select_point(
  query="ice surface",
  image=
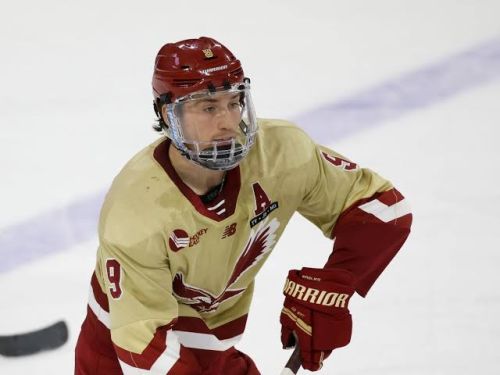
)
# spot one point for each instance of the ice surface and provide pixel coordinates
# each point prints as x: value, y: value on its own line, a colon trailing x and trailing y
x: 75, y: 104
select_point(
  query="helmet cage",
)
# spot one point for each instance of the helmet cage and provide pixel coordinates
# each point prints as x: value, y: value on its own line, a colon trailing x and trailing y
x: 218, y: 154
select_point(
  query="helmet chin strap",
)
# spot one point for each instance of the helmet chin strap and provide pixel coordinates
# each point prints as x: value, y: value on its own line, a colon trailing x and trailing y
x: 243, y: 127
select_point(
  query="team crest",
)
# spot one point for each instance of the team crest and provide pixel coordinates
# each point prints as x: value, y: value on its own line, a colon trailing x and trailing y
x: 208, y: 53
x: 260, y: 242
x: 180, y: 239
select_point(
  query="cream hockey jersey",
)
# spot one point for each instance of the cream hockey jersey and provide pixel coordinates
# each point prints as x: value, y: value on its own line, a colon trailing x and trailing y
x: 168, y: 262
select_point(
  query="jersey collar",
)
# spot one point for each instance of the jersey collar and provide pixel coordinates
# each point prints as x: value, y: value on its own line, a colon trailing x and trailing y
x: 229, y: 191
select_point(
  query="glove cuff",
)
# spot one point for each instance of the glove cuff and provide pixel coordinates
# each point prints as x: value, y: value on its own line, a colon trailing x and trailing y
x: 337, y: 275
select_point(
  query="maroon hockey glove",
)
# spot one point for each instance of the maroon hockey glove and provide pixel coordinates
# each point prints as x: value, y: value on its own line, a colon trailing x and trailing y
x: 316, y: 309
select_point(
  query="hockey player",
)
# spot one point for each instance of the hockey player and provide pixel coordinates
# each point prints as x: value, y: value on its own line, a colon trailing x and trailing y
x: 191, y: 219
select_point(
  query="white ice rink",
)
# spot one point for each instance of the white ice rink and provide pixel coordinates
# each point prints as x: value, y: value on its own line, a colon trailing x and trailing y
x: 414, y: 86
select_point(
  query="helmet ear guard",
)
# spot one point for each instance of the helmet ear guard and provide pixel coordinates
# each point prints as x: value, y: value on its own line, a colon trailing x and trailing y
x: 157, y: 107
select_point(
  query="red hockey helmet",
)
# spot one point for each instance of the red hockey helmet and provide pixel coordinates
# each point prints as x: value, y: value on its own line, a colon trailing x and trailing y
x: 192, y: 65
x: 193, y: 71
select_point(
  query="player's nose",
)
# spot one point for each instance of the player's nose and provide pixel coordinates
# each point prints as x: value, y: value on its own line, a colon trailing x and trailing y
x: 225, y: 121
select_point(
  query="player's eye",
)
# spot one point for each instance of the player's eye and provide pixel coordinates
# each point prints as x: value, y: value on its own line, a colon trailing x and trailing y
x: 209, y: 109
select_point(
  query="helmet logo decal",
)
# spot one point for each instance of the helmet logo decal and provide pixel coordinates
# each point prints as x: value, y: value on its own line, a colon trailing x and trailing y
x: 208, y: 53
x: 216, y: 69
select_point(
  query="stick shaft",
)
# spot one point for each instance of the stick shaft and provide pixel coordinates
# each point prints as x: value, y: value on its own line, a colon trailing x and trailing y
x: 292, y: 367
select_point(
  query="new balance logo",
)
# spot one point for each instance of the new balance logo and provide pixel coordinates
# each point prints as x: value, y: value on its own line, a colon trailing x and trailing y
x: 229, y: 231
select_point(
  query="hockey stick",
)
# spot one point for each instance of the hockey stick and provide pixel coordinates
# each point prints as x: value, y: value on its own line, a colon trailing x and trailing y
x: 47, y: 338
x: 293, y: 365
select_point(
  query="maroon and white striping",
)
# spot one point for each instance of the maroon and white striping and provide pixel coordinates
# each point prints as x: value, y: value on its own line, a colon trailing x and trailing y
x: 219, y: 206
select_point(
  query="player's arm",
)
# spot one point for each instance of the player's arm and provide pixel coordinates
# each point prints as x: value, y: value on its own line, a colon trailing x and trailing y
x: 369, y: 220
x: 365, y: 215
x: 142, y: 311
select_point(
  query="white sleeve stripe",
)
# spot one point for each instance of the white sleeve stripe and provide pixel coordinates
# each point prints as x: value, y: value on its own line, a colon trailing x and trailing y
x: 384, y: 212
x: 163, y: 364
x: 205, y: 341
x: 129, y: 370
x: 99, y: 312
x: 169, y: 357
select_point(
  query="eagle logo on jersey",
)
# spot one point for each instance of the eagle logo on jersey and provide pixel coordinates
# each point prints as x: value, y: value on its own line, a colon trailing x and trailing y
x: 260, y: 242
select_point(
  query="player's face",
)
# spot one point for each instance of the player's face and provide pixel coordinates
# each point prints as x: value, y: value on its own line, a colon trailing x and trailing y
x: 214, y: 130
x: 212, y: 118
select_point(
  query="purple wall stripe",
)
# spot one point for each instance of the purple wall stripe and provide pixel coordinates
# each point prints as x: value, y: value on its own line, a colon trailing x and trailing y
x: 412, y: 91
x: 50, y: 232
